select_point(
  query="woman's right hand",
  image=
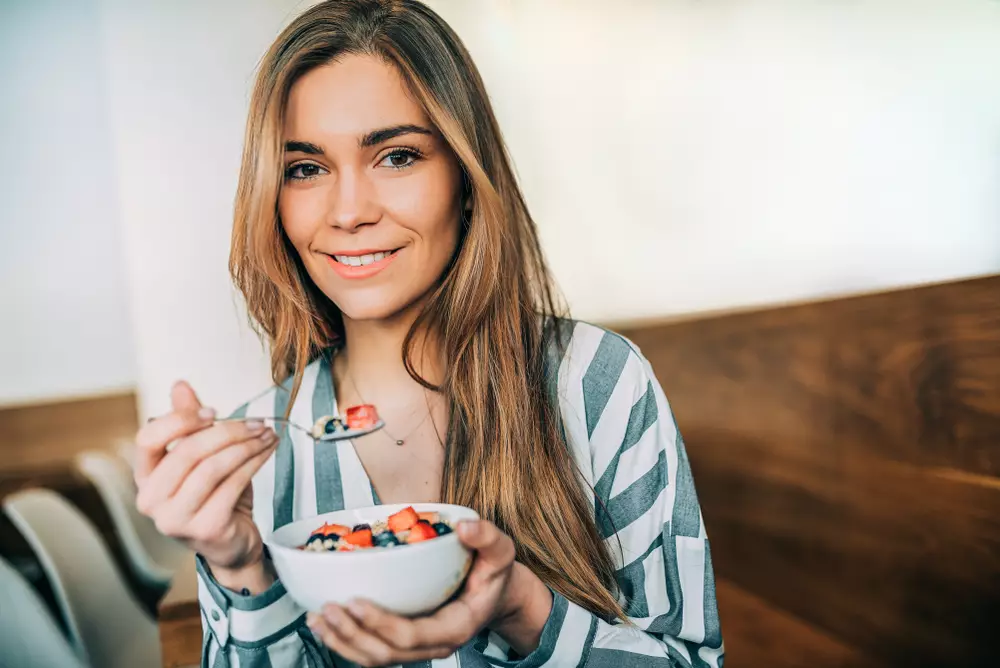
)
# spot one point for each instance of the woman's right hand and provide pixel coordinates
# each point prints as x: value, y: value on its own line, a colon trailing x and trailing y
x: 199, y: 491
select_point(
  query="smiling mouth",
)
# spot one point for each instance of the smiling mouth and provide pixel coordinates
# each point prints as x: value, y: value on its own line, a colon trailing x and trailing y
x: 363, y: 260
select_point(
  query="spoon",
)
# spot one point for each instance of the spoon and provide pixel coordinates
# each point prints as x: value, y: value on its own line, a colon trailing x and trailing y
x: 315, y: 433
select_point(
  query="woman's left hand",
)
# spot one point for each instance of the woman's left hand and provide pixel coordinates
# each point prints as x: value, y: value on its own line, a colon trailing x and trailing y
x: 499, y: 592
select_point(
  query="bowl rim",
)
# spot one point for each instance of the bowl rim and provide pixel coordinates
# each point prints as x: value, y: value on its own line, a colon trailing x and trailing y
x: 373, y: 552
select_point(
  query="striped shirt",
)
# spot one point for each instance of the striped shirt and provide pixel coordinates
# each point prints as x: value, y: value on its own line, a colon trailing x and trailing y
x: 620, y: 430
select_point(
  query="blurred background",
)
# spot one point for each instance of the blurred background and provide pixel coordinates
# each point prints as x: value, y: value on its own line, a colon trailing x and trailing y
x: 791, y: 205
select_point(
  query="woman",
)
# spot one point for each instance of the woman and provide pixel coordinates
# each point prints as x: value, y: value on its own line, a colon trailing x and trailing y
x: 387, y: 256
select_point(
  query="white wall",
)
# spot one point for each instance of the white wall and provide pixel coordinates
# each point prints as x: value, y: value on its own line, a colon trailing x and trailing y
x: 682, y: 156
x: 63, y: 310
x: 179, y: 80
x: 679, y: 156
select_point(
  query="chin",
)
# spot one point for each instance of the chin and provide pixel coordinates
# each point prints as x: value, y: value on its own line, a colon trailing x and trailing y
x: 372, y: 307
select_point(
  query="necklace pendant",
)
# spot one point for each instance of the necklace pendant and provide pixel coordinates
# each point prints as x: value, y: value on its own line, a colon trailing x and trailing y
x: 399, y: 441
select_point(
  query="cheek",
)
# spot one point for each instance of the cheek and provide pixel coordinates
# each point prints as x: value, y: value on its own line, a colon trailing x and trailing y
x: 299, y: 212
x: 428, y: 206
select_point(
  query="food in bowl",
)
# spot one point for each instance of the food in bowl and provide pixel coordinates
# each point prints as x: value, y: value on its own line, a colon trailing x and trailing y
x: 409, y: 579
x: 404, y: 527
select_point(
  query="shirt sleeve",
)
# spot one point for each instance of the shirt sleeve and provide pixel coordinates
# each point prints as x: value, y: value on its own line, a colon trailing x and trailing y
x: 648, y: 512
x: 261, y: 630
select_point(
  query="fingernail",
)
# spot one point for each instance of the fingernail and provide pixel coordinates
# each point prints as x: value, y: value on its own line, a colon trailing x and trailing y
x: 312, y: 621
x: 331, y: 617
x: 206, y: 413
x: 255, y: 425
x: 357, y: 609
x: 468, y: 528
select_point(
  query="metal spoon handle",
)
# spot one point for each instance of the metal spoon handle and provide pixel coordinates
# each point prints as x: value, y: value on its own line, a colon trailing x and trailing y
x: 325, y: 438
x: 248, y: 418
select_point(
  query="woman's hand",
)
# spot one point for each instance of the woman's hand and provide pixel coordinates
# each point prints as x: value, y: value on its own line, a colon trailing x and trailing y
x: 199, y: 491
x: 499, y: 593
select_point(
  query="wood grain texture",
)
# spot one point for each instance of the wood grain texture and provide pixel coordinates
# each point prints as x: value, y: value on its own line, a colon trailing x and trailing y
x: 846, y: 457
x: 180, y: 634
x: 48, y: 436
x: 759, y: 634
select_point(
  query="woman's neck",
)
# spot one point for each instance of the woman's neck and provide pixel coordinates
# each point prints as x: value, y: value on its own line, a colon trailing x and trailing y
x: 372, y: 362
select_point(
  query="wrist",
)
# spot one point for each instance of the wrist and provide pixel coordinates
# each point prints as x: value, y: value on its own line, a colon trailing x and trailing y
x: 525, y: 610
x: 255, y: 575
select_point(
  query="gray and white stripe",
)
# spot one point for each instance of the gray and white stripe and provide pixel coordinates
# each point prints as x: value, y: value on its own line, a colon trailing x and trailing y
x: 622, y: 435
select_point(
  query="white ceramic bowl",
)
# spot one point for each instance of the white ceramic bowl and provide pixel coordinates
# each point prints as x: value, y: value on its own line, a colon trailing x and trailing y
x: 406, y: 580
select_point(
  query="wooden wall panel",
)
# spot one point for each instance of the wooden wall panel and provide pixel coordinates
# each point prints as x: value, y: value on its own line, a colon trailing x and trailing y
x: 847, y: 456
x: 759, y: 634
x: 48, y: 436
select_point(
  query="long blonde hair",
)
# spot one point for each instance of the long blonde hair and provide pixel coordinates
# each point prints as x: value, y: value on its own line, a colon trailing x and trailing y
x: 505, y: 455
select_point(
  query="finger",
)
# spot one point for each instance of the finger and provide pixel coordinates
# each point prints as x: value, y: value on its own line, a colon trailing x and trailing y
x: 183, y: 398
x: 352, y: 642
x: 319, y: 626
x: 324, y: 630
x: 453, y: 624
x: 213, y: 470
x: 177, y: 465
x: 220, y: 505
x: 445, y: 631
x: 153, y: 438
x: 494, y: 549
x: 335, y: 641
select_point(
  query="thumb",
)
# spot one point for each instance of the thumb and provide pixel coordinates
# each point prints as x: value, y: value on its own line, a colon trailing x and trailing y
x: 183, y: 398
x: 491, y: 545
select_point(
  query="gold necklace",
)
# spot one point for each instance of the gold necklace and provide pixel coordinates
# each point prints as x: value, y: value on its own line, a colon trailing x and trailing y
x: 399, y: 441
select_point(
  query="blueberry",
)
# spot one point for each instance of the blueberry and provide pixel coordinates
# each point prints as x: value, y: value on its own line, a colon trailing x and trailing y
x: 441, y: 528
x: 315, y: 538
x: 386, y: 539
x: 361, y: 527
x: 330, y: 426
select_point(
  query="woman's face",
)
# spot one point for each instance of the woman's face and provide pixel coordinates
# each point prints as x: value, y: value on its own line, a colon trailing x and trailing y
x: 372, y: 193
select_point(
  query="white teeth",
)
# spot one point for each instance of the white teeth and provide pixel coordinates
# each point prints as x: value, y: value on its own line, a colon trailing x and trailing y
x: 362, y: 260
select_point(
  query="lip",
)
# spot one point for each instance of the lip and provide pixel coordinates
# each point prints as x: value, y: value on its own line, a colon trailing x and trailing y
x: 366, y: 271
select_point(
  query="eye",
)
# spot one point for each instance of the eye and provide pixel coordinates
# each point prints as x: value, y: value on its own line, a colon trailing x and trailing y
x: 400, y: 158
x: 303, y: 171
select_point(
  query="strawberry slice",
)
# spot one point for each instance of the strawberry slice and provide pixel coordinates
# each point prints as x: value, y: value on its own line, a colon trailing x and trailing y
x: 431, y: 518
x: 403, y: 520
x: 421, y: 531
x: 332, y: 529
x: 361, y: 538
x: 361, y: 417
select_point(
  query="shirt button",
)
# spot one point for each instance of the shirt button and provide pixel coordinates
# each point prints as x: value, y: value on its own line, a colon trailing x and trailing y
x: 215, y: 615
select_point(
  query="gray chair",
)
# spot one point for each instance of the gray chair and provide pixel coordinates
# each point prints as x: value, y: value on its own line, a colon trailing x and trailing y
x: 154, y: 559
x: 106, y: 625
x: 29, y: 636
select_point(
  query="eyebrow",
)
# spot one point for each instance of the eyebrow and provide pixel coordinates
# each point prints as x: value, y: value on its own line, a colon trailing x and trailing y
x: 376, y: 137
x: 373, y: 138
x: 303, y: 147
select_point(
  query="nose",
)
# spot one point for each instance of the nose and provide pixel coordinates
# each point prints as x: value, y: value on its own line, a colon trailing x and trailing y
x: 352, y: 201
